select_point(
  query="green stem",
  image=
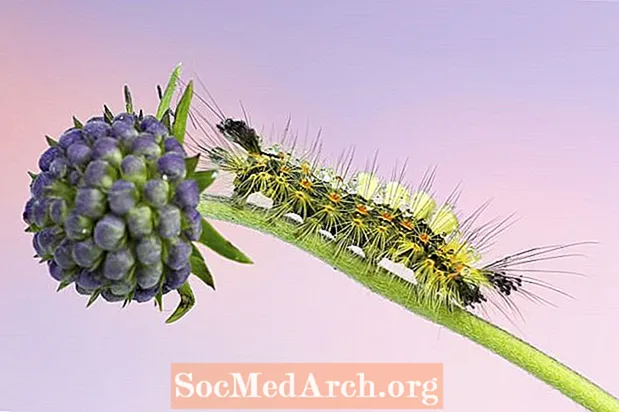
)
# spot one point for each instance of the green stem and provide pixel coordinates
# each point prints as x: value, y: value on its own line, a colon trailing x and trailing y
x: 497, y: 340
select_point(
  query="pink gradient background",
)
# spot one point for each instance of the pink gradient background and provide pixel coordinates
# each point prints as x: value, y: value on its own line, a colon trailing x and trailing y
x: 519, y: 102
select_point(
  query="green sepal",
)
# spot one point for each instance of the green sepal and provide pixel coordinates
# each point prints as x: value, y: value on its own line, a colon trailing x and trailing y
x: 129, y: 298
x: 166, y: 98
x: 31, y: 229
x: 199, y: 268
x: 204, y: 178
x: 128, y: 100
x: 32, y: 175
x: 77, y: 123
x: 166, y: 119
x: 95, y: 295
x: 159, y: 300
x: 107, y: 114
x: 66, y: 281
x: 182, y: 113
x: 191, y: 163
x: 187, y: 302
x: 51, y: 142
x: 217, y: 243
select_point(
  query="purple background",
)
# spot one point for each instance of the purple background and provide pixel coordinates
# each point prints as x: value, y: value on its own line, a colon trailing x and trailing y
x: 519, y: 102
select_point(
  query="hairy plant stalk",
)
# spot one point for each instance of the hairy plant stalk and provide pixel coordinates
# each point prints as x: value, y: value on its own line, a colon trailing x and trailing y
x: 497, y: 340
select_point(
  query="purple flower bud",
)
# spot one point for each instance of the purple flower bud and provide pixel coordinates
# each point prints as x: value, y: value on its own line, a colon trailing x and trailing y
x: 83, y: 291
x: 96, y: 119
x: 145, y: 145
x: 63, y: 254
x: 175, y: 278
x: 121, y: 287
x: 128, y: 118
x: 86, y: 253
x: 79, y: 154
x: 148, y: 121
x: 122, y: 197
x: 78, y: 227
x: 133, y: 169
x: 59, y: 167
x: 149, y: 276
x: 100, y: 174
x: 110, y: 232
x: 75, y: 178
x: 107, y: 149
x: 27, y: 214
x: 192, y: 227
x: 41, y: 184
x: 118, y: 263
x: 156, y: 192
x: 110, y: 297
x: 58, y: 211
x: 124, y: 131
x: 90, y: 279
x: 46, y: 241
x: 140, y: 221
x: 90, y: 202
x: 169, y: 222
x: 70, y: 137
x: 172, y: 145
x: 187, y: 194
x: 35, y: 244
x: 158, y: 130
x: 172, y: 166
x: 55, y: 271
x: 40, y: 212
x: 144, y: 295
x: 96, y: 129
x: 48, y: 157
x: 148, y: 250
x: 177, y: 253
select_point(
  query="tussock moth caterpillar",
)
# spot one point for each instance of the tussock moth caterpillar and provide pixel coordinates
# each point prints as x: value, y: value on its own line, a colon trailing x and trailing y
x: 388, y: 223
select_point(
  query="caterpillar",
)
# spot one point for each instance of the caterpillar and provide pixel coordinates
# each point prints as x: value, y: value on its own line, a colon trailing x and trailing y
x: 383, y: 221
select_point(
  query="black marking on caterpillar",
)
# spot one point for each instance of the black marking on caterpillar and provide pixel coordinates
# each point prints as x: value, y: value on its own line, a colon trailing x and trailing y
x: 383, y: 220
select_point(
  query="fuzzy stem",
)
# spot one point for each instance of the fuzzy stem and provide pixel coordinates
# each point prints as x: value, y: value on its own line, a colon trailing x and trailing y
x: 495, y: 339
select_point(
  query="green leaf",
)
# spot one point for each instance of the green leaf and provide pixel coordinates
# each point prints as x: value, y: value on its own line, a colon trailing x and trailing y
x: 181, y: 114
x: 128, y: 100
x: 166, y: 98
x: 191, y: 163
x: 77, y: 123
x: 51, y: 141
x: 186, y: 303
x: 216, y: 242
x: 204, y: 178
x: 199, y: 268
x: 107, y: 114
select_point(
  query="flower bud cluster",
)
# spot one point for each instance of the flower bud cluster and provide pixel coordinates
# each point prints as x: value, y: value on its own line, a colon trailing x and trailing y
x: 113, y: 209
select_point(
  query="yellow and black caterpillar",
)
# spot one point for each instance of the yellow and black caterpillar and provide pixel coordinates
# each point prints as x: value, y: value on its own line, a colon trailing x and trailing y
x: 382, y: 219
